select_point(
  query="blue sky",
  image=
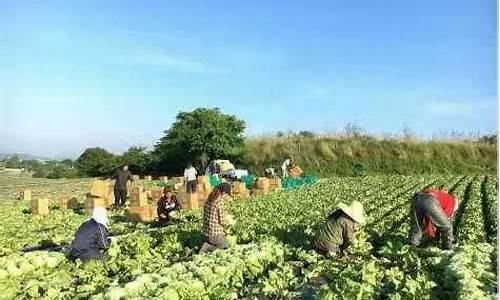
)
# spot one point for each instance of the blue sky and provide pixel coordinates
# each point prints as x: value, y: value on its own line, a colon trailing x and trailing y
x: 75, y: 74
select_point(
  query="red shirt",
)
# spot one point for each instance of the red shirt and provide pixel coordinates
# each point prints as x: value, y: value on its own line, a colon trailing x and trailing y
x: 447, y: 203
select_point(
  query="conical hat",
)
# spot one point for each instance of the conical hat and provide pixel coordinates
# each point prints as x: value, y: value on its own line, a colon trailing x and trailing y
x: 355, y: 211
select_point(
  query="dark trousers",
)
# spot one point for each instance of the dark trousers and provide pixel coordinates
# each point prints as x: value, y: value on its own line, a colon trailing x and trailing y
x: 425, y: 205
x: 120, y: 196
x: 214, y: 242
x: 191, y: 186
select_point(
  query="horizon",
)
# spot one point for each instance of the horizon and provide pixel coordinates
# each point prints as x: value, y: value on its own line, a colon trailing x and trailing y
x: 115, y: 74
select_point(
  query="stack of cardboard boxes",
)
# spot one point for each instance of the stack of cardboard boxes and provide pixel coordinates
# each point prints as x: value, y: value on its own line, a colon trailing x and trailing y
x: 98, y: 196
x: 139, y: 209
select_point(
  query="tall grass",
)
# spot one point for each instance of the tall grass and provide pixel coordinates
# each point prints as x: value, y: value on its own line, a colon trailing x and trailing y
x: 342, y: 155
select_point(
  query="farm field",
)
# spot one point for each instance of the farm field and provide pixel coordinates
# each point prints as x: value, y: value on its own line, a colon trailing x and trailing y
x: 271, y: 256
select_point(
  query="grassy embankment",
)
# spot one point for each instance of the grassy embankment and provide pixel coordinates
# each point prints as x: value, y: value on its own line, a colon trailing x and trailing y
x: 366, y: 155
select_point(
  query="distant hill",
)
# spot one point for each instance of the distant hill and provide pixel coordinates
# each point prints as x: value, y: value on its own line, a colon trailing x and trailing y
x: 21, y: 156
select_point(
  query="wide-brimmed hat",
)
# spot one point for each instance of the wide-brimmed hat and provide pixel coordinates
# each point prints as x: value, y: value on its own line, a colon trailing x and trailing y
x: 355, y: 211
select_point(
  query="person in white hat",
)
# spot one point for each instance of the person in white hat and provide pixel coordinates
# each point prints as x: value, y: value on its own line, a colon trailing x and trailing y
x: 91, y: 238
x: 337, y: 233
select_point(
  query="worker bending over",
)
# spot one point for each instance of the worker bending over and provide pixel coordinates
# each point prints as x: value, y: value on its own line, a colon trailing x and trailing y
x: 431, y: 211
x: 337, y: 233
x: 167, y: 204
x: 91, y: 238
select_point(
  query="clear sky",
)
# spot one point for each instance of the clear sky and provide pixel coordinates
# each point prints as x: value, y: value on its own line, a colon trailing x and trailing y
x: 75, y: 74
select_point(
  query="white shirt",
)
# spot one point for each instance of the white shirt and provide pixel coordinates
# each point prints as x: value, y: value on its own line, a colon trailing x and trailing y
x: 285, y: 165
x: 190, y: 174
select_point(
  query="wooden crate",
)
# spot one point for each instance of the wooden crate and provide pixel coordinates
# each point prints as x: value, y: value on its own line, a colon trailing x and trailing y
x: 100, y: 188
x: 40, y: 206
x: 148, y: 178
x: 135, y: 178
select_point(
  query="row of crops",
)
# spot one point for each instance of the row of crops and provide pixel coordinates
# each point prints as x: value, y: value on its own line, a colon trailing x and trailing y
x: 271, y: 255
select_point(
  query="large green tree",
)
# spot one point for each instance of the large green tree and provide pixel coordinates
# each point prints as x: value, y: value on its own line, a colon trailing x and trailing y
x: 96, y: 162
x: 200, y: 136
x: 138, y: 159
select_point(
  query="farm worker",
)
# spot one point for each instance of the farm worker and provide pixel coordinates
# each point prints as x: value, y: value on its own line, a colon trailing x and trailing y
x: 91, y: 238
x: 190, y: 178
x: 337, y: 233
x: 431, y: 211
x: 167, y: 204
x: 285, y: 166
x: 214, y: 219
x: 122, y: 176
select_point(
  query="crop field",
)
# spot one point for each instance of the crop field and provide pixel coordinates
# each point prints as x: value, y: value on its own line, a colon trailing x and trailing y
x: 271, y: 256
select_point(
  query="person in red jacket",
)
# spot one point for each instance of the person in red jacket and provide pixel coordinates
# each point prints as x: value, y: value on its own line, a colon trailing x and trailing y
x: 431, y: 213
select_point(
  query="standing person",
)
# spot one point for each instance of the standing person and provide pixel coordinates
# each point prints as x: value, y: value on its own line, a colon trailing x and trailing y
x: 337, y: 233
x: 91, y: 238
x: 122, y: 176
x: 190, y: 178
x: 431, y: 212
x: 214, y: 219
x: 167, y: 204
x: 286, y: 166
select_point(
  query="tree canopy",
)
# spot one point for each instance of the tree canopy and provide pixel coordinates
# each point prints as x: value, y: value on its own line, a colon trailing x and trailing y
x: 200, y: 136
x: 96, y: 162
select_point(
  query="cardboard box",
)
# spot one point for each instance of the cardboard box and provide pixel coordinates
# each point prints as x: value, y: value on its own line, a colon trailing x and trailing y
x: 100, y: 188
x: 295, y: 172
x: 275, y: 184
x: 156, y: 194
x: 72, y: 203
x: 205, y: 179
x: 92, y: 202
x: 142, y: 214
x: 263, y: 184
x: 138, y: 197
x: 188, y: 201
x: 25, y: 195
x: 239, y: 190
x: 63, y: 203
x: 40, y: 206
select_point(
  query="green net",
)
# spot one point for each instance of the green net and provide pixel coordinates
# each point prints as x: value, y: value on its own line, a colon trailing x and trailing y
x: 214, y: 181
x: 248, y: 180
x: 292, y: 183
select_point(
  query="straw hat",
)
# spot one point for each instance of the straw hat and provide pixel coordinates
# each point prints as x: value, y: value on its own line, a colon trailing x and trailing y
x: 355, y: 211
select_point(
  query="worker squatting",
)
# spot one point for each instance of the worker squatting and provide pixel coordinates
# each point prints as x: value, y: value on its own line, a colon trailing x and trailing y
x: 430, y: 215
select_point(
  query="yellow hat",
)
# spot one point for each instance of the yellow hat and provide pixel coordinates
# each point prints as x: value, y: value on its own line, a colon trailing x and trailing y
x: 355, y: 211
